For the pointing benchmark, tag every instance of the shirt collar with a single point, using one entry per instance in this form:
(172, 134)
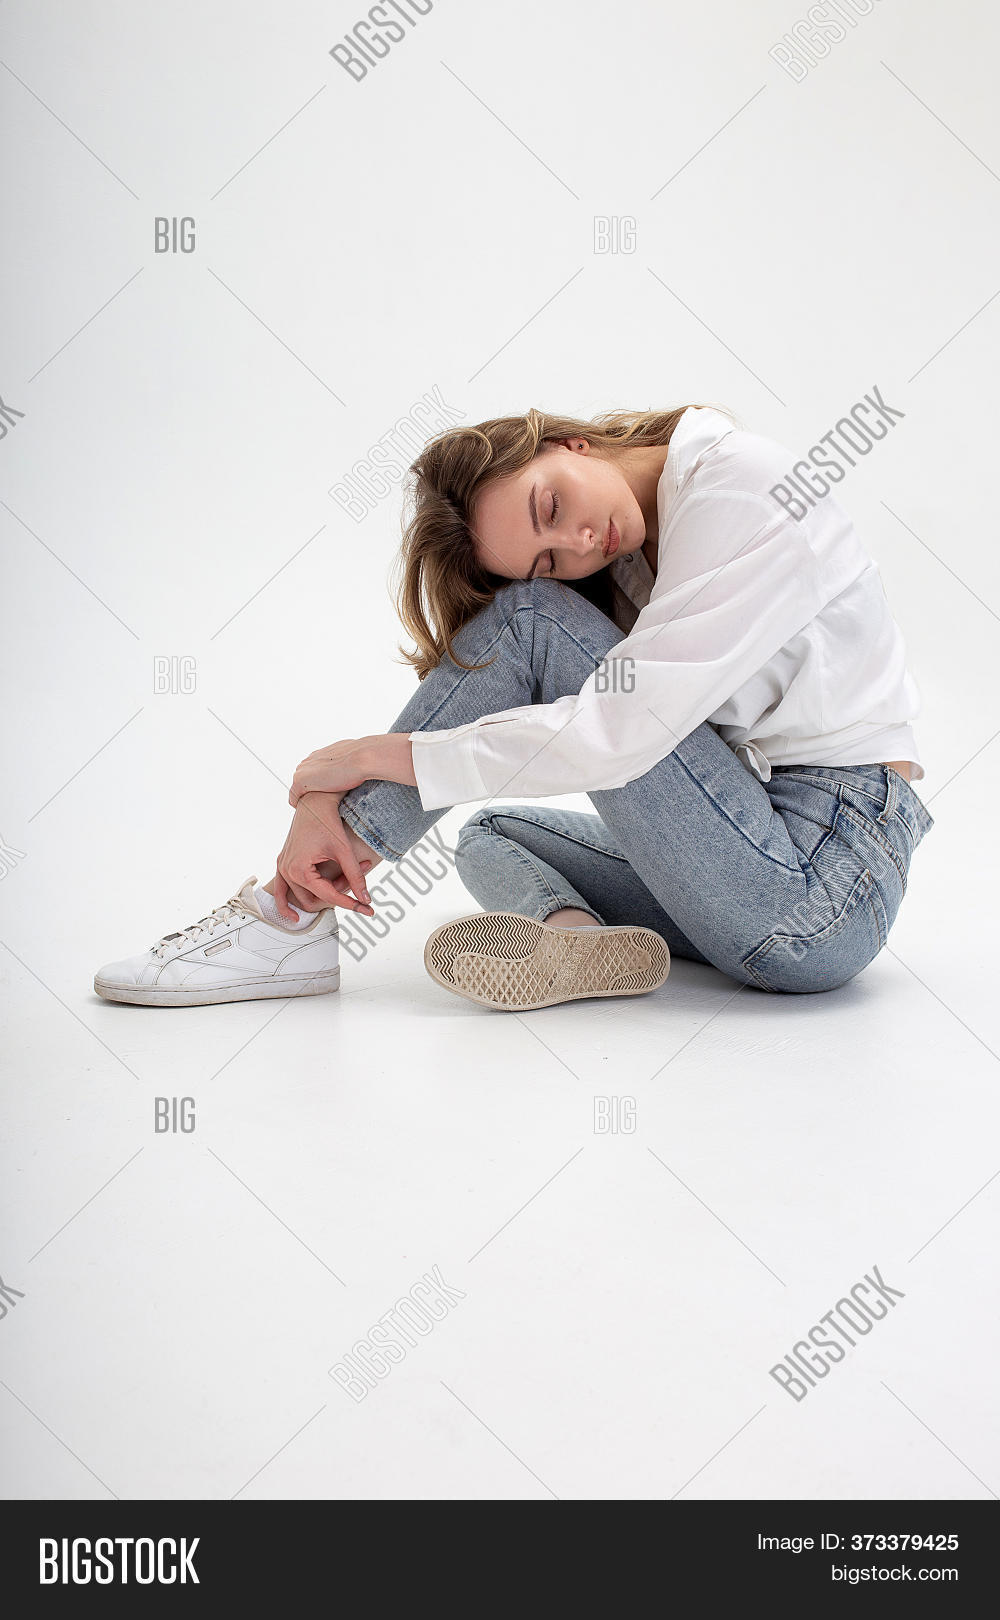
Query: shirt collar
(634, 578)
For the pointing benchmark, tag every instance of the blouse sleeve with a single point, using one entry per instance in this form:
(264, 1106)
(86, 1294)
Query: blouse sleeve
(692, 646)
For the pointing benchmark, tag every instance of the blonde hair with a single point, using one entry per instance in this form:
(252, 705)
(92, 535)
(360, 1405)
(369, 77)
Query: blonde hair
(440, 582)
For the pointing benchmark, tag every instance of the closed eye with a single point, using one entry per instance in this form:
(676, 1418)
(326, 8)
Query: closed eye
(550, 555)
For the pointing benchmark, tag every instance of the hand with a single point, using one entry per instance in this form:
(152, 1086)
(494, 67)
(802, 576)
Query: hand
(344, 765)
(317, 839)
(329, 770)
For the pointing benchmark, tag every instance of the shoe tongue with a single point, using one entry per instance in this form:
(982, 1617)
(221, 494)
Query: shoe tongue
(248, 900)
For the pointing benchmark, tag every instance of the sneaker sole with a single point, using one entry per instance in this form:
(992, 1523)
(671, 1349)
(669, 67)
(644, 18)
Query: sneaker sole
(515, 963)
(316, 984)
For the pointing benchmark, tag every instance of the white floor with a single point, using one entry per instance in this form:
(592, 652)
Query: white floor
(183, 1296)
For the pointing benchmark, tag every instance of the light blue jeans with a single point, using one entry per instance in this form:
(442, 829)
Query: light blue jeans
(789, 885)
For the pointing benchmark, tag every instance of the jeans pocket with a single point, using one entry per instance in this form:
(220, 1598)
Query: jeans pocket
(822, 960)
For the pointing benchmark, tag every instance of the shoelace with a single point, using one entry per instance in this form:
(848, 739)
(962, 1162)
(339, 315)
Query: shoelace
(223, 914)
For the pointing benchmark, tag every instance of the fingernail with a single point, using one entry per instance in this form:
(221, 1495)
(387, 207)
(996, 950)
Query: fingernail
(366, 897)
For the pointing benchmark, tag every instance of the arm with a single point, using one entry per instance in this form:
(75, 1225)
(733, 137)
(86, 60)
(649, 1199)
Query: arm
(738, 578)
(319, 864)
(691, 648)
(345, 765)
(756, 584)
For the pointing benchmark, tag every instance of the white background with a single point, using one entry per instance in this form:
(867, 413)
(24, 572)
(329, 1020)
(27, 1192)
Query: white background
(185, 416)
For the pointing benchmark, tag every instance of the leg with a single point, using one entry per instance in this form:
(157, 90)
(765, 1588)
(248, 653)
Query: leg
(561, 866)
(524, 654)
(537, 642)
(698, 828)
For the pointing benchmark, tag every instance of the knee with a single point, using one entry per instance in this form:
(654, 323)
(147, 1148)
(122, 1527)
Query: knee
(511, 609)
(521, 599)
(526, 592)
(478, 827)
(484, 824)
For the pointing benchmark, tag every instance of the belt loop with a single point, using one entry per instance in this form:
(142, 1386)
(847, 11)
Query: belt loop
(892, 780)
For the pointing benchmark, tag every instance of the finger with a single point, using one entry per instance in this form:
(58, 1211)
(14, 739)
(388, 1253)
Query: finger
(304, 900)
(332, 869)
(299, 896)
(330, 896)
(353, 873)
(345, 855)
(320, 891)
(281, 898)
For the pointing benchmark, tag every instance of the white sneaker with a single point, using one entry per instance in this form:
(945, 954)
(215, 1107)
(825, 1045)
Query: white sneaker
(233, 954)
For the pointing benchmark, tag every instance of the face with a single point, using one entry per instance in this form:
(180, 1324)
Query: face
(568, 514)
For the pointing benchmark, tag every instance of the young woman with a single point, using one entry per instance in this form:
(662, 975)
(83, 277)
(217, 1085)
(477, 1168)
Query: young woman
(621, 608)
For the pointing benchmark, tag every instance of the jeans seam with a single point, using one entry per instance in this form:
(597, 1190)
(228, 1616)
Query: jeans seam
(872, 897)
(782, 865)
(757, 981)
(581, 843)
(829, 834)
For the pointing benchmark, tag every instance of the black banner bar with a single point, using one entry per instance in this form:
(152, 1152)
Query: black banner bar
(71, 1557)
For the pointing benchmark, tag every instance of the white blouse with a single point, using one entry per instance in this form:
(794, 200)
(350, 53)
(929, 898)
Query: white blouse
(775, 631)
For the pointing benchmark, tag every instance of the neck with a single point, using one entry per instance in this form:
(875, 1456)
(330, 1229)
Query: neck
(643, 467)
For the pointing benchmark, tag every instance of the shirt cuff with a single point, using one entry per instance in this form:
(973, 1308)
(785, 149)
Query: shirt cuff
(445, 767)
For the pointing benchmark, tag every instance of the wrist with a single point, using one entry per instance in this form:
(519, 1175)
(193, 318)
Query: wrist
(388, 758)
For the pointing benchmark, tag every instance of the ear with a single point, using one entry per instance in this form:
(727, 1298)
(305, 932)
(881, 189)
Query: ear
(580, 447)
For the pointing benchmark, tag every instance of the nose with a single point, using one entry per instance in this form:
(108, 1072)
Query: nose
(583, 541)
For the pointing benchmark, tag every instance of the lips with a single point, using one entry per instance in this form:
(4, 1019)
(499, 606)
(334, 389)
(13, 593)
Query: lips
(612, 539)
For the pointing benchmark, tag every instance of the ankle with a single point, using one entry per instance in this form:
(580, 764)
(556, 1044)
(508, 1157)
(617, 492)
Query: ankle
(572, 917)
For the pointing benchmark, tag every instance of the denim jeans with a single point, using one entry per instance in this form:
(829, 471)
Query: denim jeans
(789, 885)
